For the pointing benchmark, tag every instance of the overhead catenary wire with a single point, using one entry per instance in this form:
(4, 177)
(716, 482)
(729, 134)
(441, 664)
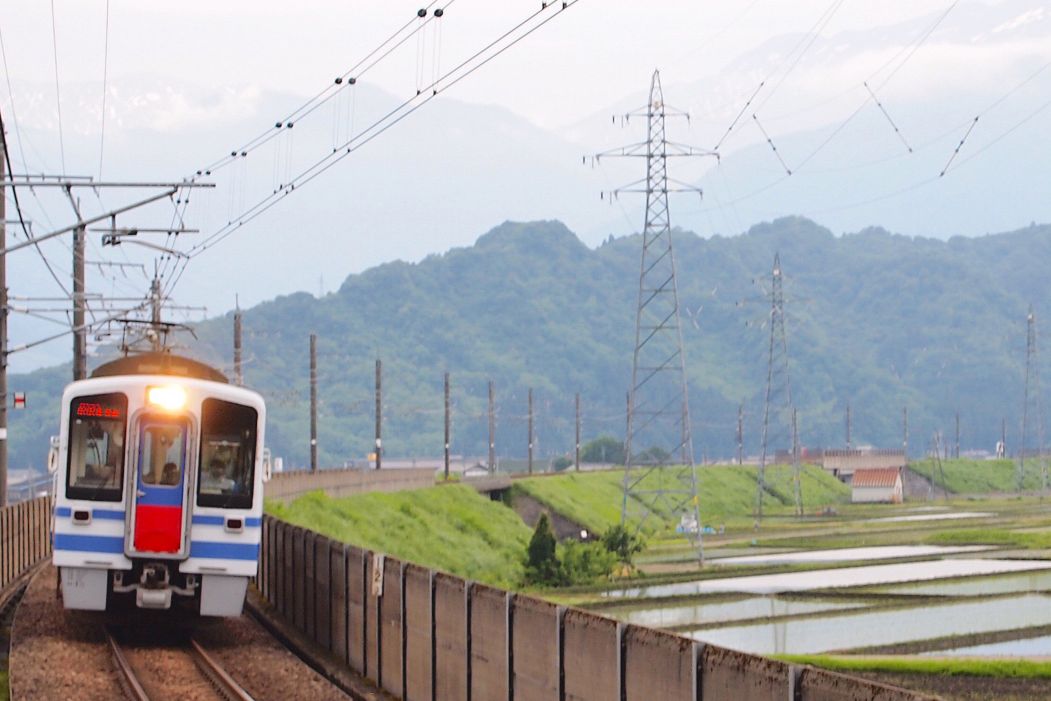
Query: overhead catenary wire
(21, 217)
(450, 78)
(11, 94)
(105, 74)
(58, 93)
(350, 76)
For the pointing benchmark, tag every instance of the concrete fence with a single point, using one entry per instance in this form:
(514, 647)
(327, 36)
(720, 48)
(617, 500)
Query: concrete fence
(25, 537)
(428, 636)
(342, 482)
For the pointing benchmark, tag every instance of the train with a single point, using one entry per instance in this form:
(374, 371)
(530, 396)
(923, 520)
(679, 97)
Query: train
(159, 470)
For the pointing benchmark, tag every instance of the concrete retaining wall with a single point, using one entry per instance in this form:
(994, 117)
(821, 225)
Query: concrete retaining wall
(429, 636)
(340, 483)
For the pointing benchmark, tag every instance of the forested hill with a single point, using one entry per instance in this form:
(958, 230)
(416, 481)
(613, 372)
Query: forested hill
(879, 320)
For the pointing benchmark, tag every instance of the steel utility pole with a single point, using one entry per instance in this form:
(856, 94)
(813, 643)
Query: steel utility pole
(1003, 437)
(797, 477)
(848, 425)
(530, 430)
(447, 422)
(658, 417)
(905, 431)
(576, 453)
(3, 319)
(740, 433)
(956, 448)
(80, 331)
(238, 375)
(492, 430)
(313, 402)
(379, 413)
(1031, 405)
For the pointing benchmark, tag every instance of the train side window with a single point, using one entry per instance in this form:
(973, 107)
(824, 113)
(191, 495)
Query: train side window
(227, 461)
(97, 432)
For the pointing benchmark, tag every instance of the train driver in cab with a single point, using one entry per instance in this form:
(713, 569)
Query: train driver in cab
(215, 479)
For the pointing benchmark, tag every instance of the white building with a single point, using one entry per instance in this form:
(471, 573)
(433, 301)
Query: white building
(877, 485)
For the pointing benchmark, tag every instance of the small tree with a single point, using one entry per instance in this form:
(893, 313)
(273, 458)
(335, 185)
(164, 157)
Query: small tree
(623, 543)
(542, 565)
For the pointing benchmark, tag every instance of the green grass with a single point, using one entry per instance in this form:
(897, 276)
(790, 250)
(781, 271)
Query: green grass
(1017, 668)
(450, 528)
(727, 494)
(980, 476)
(1035, 540)
(3, 686)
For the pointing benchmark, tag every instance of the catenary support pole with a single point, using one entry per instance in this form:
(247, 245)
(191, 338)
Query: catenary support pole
(313, 402)
(379, 413)
(447, 422)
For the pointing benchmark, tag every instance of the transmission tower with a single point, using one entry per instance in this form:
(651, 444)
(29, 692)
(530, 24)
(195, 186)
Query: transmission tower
(1032, 407)
(658, 422)
(778, 411)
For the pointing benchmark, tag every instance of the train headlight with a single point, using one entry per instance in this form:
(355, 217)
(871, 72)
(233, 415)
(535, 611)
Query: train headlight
(170, 397)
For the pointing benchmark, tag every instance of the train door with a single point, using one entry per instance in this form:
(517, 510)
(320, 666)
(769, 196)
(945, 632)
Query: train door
(159, 518)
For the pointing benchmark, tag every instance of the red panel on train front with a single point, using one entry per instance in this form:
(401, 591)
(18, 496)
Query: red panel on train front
(158, 529)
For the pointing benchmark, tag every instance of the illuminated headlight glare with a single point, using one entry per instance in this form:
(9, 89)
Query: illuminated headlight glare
(171, 397)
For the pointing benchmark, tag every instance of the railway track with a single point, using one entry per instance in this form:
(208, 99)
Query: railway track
(212, 681)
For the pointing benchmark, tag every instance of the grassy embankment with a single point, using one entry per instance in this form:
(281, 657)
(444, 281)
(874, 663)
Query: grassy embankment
(450, 528)
(980, 476)
(3, 686)
(727, 495)
(454, 529)
(1000, 668)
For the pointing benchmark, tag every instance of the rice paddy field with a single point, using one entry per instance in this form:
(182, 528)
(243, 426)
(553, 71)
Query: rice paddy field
(904, 593)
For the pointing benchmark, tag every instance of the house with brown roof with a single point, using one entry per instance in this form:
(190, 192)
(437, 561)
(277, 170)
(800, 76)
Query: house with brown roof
(877, 485)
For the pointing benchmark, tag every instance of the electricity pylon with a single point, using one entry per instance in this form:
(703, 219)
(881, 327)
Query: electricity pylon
(778, 411)
(658, 422)
(1031, 404)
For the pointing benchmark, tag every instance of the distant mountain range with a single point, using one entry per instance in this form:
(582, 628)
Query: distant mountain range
(456, 168)
(881, 321)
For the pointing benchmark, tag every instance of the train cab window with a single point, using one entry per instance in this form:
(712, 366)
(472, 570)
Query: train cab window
(97, 429)
(163, 448)
(228, 437)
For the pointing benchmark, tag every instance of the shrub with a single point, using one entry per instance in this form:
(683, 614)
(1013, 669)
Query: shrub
(542, 566)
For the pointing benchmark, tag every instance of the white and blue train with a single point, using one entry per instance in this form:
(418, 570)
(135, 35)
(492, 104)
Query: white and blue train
(159, 487)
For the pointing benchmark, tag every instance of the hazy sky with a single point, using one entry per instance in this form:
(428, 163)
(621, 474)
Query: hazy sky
(580, 62)
(196, 71)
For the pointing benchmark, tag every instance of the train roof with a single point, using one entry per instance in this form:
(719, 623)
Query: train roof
(159, 363)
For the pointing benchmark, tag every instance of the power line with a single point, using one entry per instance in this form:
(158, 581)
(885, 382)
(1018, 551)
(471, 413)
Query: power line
(105, 72)
(450, 78)
(58, 94)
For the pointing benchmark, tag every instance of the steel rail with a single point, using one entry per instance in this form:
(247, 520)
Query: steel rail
(129, 681)
(218, 676)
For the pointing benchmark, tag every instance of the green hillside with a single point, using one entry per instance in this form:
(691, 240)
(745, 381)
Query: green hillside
(879, 320)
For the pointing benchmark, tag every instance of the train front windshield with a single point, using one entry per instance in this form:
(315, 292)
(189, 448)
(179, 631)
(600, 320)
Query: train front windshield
(97, 429)
(227, 461)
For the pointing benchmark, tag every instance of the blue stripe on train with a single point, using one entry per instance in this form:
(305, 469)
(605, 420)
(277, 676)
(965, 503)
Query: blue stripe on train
(115, 545)
(90, 543)
(210, 520)
(108, 514)
(224, 551)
